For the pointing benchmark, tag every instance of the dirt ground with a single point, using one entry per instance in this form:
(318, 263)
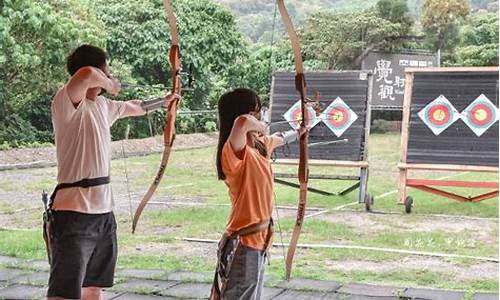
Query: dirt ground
(44, 157)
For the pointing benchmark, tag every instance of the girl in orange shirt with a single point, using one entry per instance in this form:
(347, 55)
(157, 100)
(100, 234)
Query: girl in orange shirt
(243, 162)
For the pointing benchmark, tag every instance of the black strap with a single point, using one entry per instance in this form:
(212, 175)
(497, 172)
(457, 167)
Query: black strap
(84, 183)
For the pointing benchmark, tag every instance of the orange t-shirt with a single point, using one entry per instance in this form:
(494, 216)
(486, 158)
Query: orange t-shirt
(250, 183)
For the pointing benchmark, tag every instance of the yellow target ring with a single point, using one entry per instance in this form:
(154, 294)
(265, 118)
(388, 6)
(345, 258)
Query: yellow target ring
(338, 116)
(481, 114)
(439, 115)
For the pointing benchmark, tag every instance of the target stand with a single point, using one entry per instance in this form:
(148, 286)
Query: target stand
(340, 109)
(450, 123)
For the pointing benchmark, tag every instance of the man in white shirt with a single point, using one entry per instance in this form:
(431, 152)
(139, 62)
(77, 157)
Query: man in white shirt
(83, 247)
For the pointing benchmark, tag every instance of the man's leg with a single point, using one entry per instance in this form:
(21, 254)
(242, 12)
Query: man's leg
(92, 293)
(73, 243)
(88, 293)
(101, 265)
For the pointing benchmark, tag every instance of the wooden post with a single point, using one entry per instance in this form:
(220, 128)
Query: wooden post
(368, 116)
(363, 173)
(405, 126)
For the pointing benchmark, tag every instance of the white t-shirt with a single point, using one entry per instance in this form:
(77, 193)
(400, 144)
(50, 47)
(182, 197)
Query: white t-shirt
(83, 144)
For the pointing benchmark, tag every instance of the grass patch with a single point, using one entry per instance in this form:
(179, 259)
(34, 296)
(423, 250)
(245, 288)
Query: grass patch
(41, 184)
(192, 222)
(354, 254)
(173, 263)
(401, 277)
(483, 285)
(315, 231)
(7, 185)
(27, 244)
(6, 208)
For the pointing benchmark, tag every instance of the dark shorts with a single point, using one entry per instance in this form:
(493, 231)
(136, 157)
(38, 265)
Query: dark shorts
(84, 251)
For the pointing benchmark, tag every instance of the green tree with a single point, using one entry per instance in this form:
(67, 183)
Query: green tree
(139, 36)
(479, 41)
(441, 19)
(343, 39)
(35, 38)
(396, 11)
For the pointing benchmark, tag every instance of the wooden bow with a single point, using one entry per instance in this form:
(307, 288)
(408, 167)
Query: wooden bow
(303, 171)
(169, 130)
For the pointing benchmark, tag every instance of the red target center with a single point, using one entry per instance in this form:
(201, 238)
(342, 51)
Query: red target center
(480, 114)
(297, 117)
(439, 114)
(339, 116)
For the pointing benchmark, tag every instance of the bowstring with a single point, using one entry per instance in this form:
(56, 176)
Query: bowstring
(127, 131)
(279, 227)
(270, 67)
(270, 71)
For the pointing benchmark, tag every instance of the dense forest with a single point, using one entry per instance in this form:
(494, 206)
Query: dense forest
(224, 44)
(256, 17)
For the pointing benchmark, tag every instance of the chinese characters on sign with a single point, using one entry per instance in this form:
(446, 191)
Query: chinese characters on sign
(389, 77)
(390, 84)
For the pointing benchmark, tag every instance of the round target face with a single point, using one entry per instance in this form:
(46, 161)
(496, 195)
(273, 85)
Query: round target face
(297, 116)
(439, 114)
(480, 115)
(338, 116)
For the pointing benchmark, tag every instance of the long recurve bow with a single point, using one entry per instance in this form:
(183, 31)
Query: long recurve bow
(169, 130)
(303, 172)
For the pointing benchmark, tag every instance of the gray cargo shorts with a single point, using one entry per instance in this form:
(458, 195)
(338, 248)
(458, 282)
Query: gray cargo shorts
(246, 277)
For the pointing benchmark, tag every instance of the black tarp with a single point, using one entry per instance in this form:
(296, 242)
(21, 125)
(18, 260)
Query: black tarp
(350, 86)
(458, 144)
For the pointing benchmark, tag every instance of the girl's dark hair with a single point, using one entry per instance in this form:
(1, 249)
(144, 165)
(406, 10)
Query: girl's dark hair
(85, 55)
(232, 105)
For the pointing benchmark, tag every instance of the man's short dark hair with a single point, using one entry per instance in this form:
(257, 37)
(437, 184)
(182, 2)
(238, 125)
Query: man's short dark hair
(85, 55)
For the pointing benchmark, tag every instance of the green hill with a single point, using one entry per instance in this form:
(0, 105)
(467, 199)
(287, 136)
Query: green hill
(256, 16)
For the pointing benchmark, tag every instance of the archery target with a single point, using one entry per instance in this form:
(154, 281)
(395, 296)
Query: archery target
(480, 115)
(338, 117)
(294, 115)
(439, 115)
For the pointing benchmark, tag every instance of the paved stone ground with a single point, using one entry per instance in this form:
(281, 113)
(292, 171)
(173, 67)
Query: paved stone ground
(27, 280)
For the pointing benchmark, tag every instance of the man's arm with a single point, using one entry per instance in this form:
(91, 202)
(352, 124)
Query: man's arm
(90, 77)
(135, 108)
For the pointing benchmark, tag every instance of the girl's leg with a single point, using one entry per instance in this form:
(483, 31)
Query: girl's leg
(246, 277)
